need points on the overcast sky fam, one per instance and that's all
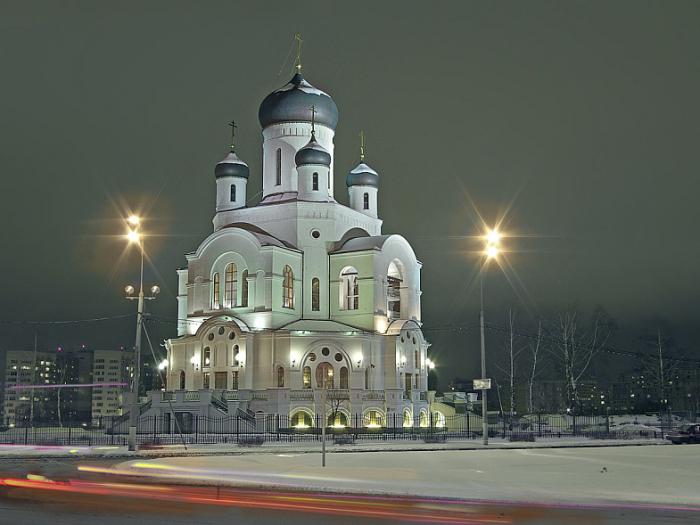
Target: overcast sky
(579, 118)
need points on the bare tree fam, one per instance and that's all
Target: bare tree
(509, 368)
(576, 347)
(534, 347)
(659, 368)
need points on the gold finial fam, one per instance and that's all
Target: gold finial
(233, 134)
(297, 60)
(313, 121)
(362, 146)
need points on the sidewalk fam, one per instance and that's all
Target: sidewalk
(311, 447)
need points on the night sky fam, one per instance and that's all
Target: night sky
(581, 119)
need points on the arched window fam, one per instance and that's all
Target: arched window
(365, 201)
(216, 301)
(280, 377)
(306, 377)
(230, 285)
(301, 420)
(182, 379)
(207, 357)
(314, 182)
(344, 377)
(324, 375)
(233, 193)
(349, 292)
(244, 290)
(278, 172)
(287, 287)
(236, 351)
(393, 291)
(315, 295)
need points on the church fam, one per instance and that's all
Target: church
(298, 299)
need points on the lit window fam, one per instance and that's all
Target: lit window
(349, 289)
(315, 295)
(216, 303)
(230, 285)
(287, 287)
(244, 290)
(306, 377)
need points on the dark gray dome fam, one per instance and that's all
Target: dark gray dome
(292, 103)
(232, 166)
(312, 153)
(362, 175)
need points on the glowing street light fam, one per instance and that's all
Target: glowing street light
(133, 236)
(134, 220)
(493, 237)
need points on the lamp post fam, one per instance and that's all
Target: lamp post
(491, 251)
(134, 236)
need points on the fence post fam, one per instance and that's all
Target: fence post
(196, 428)
(504, 426)
(26, 435)
(607, 424)
(539, 424)
(468, 426)
(574, 425)
(69, 433)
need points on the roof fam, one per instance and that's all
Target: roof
(360, 244)
(264, 238)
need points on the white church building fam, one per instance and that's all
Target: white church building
(298, 299)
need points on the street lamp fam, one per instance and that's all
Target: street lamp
(492, 239)
(135, 237)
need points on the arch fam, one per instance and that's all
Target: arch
(306, 377)
(315, 294)
(324, 375)
(230, 285)
(244, 288)
(373, 417)
(280, 377)
(338, 418)
(394, 278)
(182, 379)
(287, 287)
(344, 377)
(423, 418)
(216, 295)
(349, 292)
(407, 418)
(438, 419)
(301, 418)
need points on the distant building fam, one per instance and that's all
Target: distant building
(111, 367)
(29, 369)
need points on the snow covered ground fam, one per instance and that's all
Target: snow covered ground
(663, 475)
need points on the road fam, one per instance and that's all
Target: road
(653, 485)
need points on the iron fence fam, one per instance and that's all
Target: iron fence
(249, 428)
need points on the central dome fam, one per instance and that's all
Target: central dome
(292, 103)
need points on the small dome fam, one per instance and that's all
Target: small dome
(292, 103)
(362, 175)
(312, 153)
(232, 166)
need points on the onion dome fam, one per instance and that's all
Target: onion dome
(362, 175)
(312, 153)
(232, 166)
(291, 103)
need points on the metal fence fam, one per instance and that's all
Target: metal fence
(249, 429)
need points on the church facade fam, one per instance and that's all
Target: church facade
(299, 299)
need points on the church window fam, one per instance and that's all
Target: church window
(233, 193)
(182, 379)
(315, 295)
(315, 182)
(244, 286)
(278, 172)
(365, 201)
(230, 285)
(287, 287)
(236, 350)
(312, 357)
(415, 359)
(205, 380)
(325, 351)
(366, 378)
(207, 356)
(306, 377)
(393, 292)
(338, 357)
(344, 377)
(280, 377)
(234, 380)
(324, 375)
(349, 289)
(216, 302)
